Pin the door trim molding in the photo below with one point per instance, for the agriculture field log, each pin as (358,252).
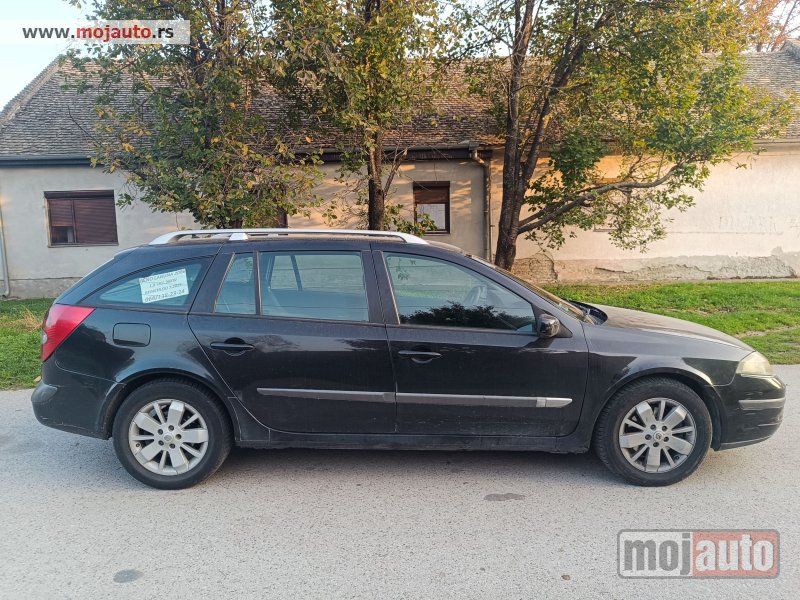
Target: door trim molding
(308,394)
(482,400)
(444,399)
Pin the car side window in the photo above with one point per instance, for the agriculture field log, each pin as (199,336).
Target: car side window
(284,274)
(237,295)
(430,291)
(313,285)
(165,286)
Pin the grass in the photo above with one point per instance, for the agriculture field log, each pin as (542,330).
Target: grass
(765,314)
(20,341)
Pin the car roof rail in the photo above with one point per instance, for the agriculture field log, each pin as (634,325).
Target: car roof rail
(238,235)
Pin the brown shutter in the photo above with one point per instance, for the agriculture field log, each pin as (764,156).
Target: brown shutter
(431,195)
(60,212)
(95,221)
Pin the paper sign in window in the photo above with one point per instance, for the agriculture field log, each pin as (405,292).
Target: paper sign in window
(163,286)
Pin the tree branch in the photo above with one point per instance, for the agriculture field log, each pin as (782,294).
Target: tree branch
(585,196)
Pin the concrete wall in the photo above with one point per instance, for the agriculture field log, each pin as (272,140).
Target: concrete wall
(35,268)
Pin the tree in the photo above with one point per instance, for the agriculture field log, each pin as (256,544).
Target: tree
(184,121)
(356,71)
(585,80)
(771,22)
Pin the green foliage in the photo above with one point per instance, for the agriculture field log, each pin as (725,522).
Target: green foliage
(655,83)
(356,71)
(183,121)
(361,67)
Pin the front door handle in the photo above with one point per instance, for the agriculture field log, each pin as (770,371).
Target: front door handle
(419,356)
(232,346)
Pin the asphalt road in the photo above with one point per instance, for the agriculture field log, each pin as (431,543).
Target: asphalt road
(364,524)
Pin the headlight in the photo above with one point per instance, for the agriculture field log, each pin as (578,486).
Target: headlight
(755,365)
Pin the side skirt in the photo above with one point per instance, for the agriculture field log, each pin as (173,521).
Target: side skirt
(281,439)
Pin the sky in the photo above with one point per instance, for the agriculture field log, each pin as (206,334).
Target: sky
(21,62)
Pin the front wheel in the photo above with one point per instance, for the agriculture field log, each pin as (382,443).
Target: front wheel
(653,432)
(171,434)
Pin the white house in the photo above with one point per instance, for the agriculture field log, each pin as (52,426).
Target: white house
(59,218)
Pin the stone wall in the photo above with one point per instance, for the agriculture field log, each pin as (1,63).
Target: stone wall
(542,268)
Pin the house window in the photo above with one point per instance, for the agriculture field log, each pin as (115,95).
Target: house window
(81,218)
(432,199)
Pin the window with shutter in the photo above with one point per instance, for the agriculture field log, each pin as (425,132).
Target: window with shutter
(81,218)
(432,200)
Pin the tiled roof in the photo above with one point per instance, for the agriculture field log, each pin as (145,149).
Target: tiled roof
(779,74)
(46,120)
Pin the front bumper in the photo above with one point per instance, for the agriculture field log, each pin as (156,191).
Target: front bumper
(752,410)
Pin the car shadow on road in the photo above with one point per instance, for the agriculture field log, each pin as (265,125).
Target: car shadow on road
(404,464)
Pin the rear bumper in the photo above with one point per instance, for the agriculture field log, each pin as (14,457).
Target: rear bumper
(752,410)
(71,401)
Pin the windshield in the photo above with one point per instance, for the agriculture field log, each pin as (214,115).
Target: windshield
(552,298)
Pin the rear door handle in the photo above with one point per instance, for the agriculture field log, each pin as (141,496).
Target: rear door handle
(419,356)
(234,346)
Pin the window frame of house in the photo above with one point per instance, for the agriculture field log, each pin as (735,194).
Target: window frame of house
(72,196)
(433,186)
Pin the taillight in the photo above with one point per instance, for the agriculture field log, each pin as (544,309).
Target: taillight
(59,322)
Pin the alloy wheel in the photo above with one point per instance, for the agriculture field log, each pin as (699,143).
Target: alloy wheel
(657,435)
(168,437)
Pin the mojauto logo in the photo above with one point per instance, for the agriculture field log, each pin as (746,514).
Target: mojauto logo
(699,553)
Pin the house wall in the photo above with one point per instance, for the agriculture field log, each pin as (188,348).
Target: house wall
(466,200)
(35,268)
(745,224)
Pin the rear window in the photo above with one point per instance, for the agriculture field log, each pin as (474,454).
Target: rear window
(164,286)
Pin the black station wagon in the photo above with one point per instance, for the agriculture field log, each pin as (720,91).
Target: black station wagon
(353,339)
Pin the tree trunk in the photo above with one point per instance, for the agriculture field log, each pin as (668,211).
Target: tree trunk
(513,168)
(376,206)
(508,226)
(376,194)
(506,250)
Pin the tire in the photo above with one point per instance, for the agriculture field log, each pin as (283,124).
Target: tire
(169,461)
(618,444)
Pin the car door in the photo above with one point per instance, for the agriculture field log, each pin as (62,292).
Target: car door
(466,354)
(295,331)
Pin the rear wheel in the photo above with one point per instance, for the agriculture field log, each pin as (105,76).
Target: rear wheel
(653,432)
(171,434)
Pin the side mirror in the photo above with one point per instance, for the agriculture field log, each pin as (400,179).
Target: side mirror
(548,326)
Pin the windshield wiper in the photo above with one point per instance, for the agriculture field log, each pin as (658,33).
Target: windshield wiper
(587,314)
